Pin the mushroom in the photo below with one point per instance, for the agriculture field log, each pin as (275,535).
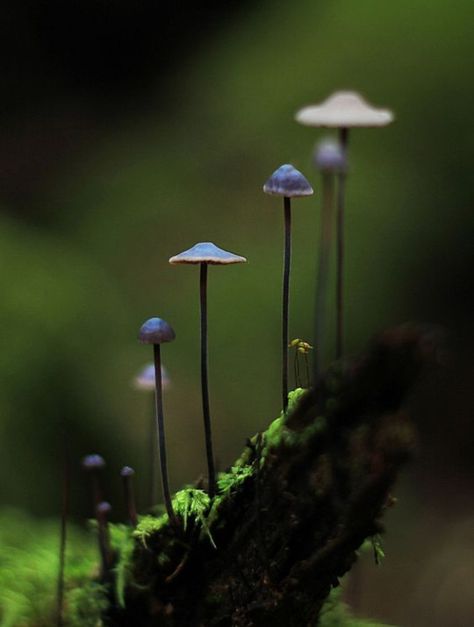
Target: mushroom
(288,182)
(102,510)
(343,110)
(156,331)
(127,473)
(205,254)
(144,381)
(94,464)
(330,159)
(145,378)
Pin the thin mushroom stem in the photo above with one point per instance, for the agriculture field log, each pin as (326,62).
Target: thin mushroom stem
(160,423)
(153,486)
(104,540)
(96,487)
(204,381)
(129,499)
(343,138)
(285,303)
(323,270)
(63,529)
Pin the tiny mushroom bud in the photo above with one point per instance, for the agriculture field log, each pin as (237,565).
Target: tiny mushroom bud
(127,473)
(288,182)
(343,110)
(94,464)
(205,254)
(156,331)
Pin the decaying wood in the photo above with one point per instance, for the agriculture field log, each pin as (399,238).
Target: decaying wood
(287,535)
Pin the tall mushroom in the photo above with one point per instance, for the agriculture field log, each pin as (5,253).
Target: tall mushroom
(205,254)
(288,182)
(343,110)
(329,158)
(157,331)
(144,381)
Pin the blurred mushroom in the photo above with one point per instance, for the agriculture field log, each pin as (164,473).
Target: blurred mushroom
(144,381)
(102,511)
(205,254)
(145,378)
(93,464)
(330,160)
(157,331)
(127,473)
(288,182)
(343,110)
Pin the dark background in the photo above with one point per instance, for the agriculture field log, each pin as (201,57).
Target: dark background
(130,131)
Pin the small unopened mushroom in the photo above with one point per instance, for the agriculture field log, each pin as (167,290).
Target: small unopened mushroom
(144,381)
(102,511)
(288,182)
(127,473)
(343,110)
(93,464)
(330,160)
(205,254)
(157,331)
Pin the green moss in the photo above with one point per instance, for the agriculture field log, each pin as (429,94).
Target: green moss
(278,434)
(86,605)
(227,482)
(148,526)
(29,552)
(123,544)
(335,613)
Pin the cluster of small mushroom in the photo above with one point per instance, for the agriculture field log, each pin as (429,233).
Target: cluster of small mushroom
(342,111)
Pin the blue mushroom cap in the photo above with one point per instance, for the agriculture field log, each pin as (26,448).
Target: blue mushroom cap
(156,331)
(329,156)
(127,471)
(91,462)
(104,507)
(207,252)
(288,181)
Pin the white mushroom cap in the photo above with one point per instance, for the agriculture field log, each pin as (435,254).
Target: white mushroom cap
(344,109)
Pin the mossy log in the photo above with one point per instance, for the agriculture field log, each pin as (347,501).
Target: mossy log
(293,511)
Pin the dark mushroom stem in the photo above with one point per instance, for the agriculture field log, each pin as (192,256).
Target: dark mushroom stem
(129,496)
(205,382)
(323,270)
(341,190)
(161,434)
(285,303)
(106,554)
(63,530)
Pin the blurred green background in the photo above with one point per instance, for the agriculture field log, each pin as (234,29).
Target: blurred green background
(132,131)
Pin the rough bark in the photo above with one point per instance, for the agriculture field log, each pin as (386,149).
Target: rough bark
(319,487)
